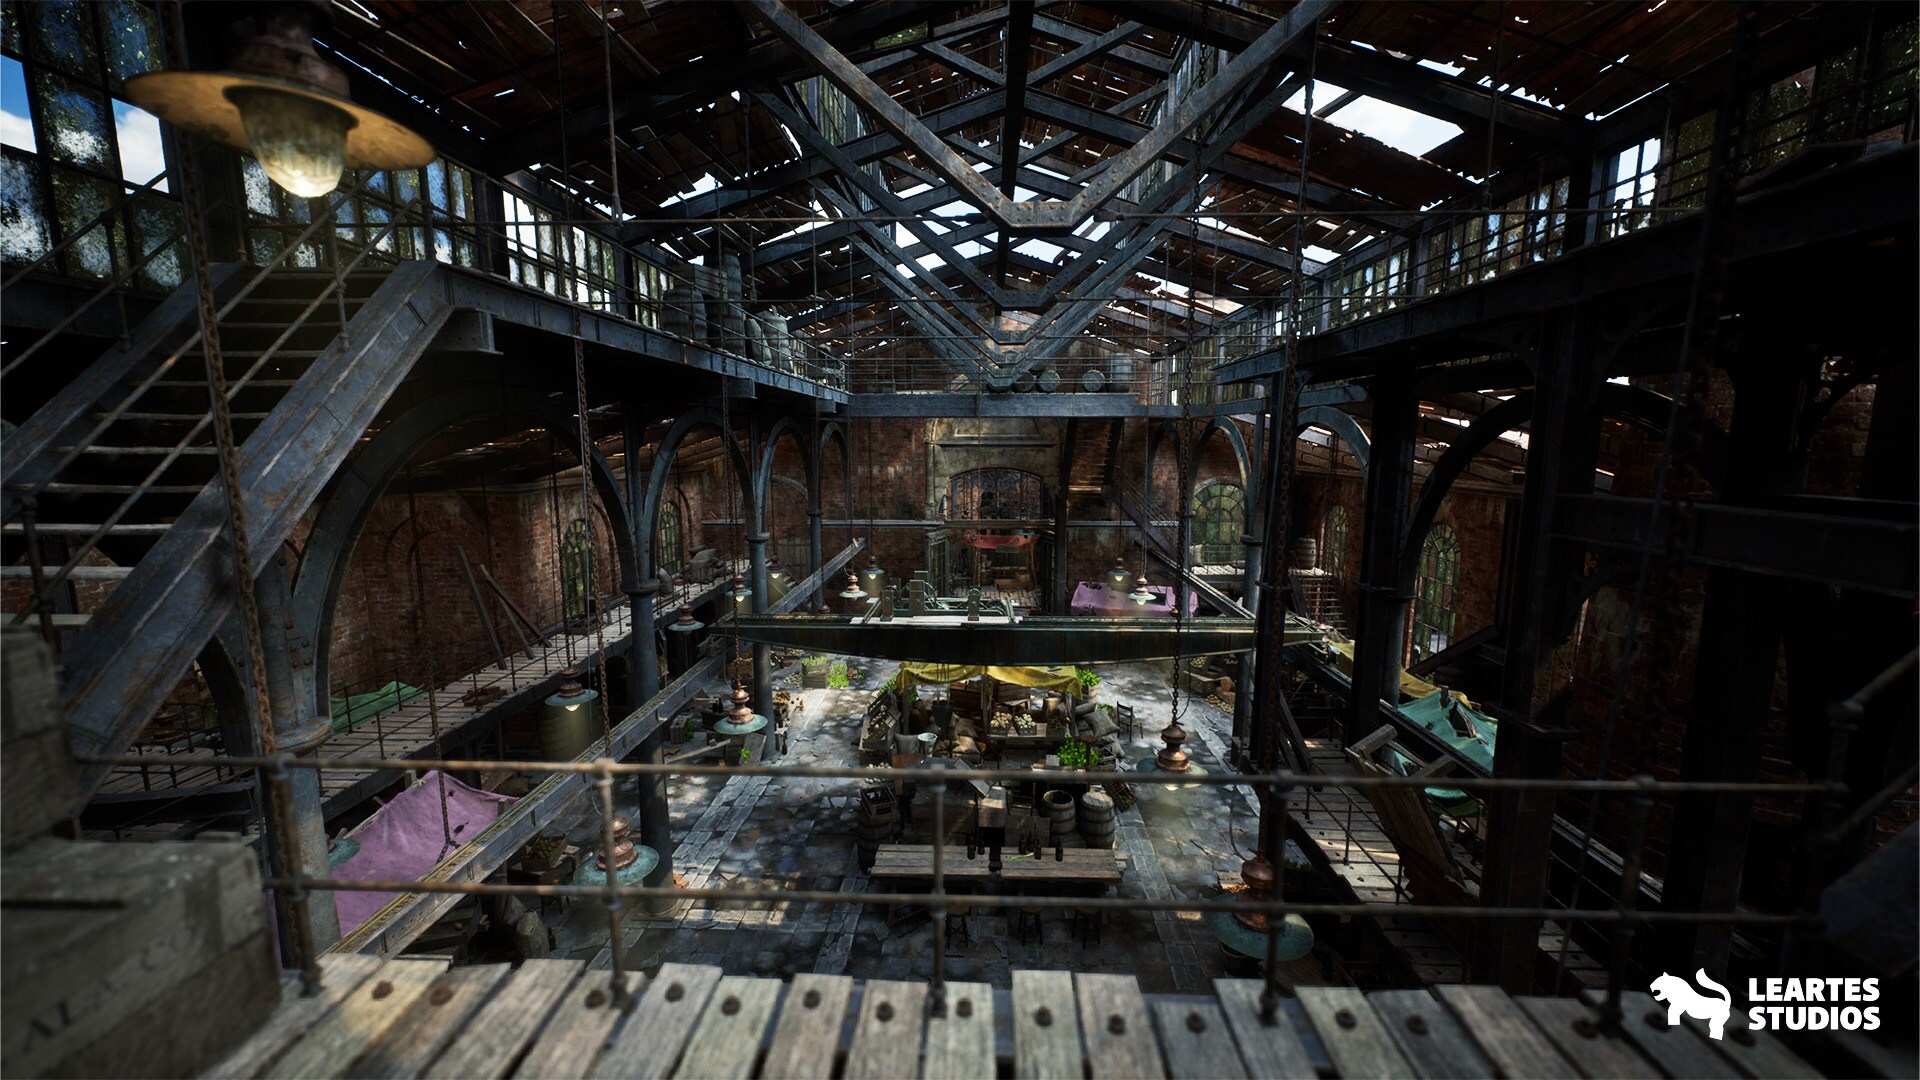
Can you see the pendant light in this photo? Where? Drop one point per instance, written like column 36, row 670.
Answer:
column 684, row 622
column 741, row 719
column 779, row 579
column 285, row 104
column 853, row 591
column 873, row 580
column 630, row 862
column 571, row 695
column 1118, row 578
column 741, row 596
column 1141, row 594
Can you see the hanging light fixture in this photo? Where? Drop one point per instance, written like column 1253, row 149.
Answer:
column 779, row 579
column 741, row 719
column 741, row 596
column 1118, row 578
column 873, row 580
column 684, row 622
column 853, row 591
column 285, row 104
column 571, row 694
column 1141, row 594
column 630, row 862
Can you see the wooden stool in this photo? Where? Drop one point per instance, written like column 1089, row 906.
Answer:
column 1088, row 921
column 957, row 922
column 1028, row 918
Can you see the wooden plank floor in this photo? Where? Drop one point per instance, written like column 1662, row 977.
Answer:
column 1342, row 823
column 557, row 1018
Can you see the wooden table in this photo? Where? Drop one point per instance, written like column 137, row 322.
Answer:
column 1079, row 866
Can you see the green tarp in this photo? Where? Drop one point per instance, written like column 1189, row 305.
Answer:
column 1450, row 720
column 355, row 709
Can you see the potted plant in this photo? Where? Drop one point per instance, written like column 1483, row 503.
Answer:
column 814, row 672
column 1089, row 681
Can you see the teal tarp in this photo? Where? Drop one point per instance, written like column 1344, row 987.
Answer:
column 355, row 709
column 1466, row 729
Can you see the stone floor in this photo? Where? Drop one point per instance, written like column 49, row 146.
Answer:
column 796, row 833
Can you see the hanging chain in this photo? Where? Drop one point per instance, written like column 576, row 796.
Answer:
column 586, row 514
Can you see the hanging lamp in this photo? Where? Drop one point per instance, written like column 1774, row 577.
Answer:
column 873, row 580
column 853, row 591
column 1118, row 578
column 741, row 596
column 286, row 105
column 684, row 622
column 741, row 719
column 1141, row 594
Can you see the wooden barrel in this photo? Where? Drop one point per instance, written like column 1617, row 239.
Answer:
column 684, row 312
column 1060, row 813
column 1305, row 553
column 1096, row 819
column 1093, row 381
column 1047, row 381
column 1023, row 383
column 1120, row 370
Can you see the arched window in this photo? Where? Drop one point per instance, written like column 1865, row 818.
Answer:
column 667, row 554
column 1219, row 519
column 574, row 584
column 1434, row 592
column 1333, row 543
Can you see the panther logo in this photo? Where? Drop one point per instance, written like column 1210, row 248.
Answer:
column 1681, row 999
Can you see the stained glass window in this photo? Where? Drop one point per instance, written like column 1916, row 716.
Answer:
column 1219, row 518
column 1435, row 592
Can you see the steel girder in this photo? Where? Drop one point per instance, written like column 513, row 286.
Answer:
column 1036, row 640
column 1030, row 216
column 1868, row 553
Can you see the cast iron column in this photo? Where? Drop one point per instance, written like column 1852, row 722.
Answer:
column 643, row 682
column 815, row 547
column 1381, row 619
column 300, row 725
column 762, row 652
column 1562, row 447
column 1250, row 599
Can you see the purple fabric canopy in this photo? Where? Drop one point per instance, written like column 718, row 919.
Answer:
column 406, row 838
column 1094, row 598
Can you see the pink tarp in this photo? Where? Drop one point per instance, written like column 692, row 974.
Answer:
column 996, row 541
column 1094, row 598
column 405, row 838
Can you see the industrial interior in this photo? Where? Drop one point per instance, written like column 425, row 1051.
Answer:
column 884, row 538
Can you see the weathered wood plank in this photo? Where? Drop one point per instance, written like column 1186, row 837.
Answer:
column 1196, row 1041
column 649, row 1042
column 960, row 1037
column 1429, row 1035
column 1352, row 1032
column 339, row 1039
column 1575, row 1028
column 1046, row 1027
column 496, row 1036
column 886, row 1040
column 432, row 1023
column 339, row 976
column 1679, row 1051
column 727, row 1041
column 1268, row 1051
column 1118, row 1034
column 807, row 1035
column 1505, row 1034
column 578, row 1030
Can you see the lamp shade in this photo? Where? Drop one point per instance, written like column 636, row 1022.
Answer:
column 740, row 596
column 853, row 591
column 631, row 864
column 1141, row 594
column 1118, row 578
column 281, row 101
column 684, row 622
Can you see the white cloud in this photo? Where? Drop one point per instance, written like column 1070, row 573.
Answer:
column 142, row 156
column 17, row 130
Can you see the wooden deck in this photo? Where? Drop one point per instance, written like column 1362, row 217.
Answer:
column 555, row 1018
column 1343, row 825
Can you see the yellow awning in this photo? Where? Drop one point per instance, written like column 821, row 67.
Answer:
column 1412, row 687
column 1061, row 679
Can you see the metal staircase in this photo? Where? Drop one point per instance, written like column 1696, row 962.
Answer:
column 1096, row 447
column 1316, row 595
column 121, row 464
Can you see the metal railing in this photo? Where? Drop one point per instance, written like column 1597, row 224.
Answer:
column 1623, row 917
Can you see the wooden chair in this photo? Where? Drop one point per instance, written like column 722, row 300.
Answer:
column 1432, row 874
column 1129, row 724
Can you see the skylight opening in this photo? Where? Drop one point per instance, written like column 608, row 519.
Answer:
column 1323, row 92
column 702, row 186
column 1403, row 129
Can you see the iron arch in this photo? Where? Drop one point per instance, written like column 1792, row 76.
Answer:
column 343, row 511
column 1343, row 426
column 663, row 458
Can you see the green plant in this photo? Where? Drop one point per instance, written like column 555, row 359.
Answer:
column 837, row 676
column 1075, row 754
column 746, row 755
column 1088, row 680
column 814, row 661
